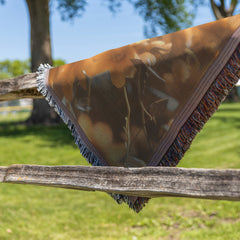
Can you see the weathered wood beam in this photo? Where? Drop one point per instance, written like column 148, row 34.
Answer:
column 147, row 181
column 24, row 86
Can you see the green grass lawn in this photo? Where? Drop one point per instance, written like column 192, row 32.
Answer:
column 34, row 212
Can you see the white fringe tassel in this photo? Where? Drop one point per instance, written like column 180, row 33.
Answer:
column 89, row 155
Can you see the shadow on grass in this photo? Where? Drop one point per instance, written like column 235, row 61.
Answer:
column 60, row 135
column 52, row 135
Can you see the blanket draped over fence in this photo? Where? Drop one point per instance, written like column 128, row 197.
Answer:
column 143, row 104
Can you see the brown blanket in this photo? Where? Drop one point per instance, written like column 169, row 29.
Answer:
column 142, row 104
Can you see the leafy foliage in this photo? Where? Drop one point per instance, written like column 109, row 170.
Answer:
column 165, row 15
column 9, row 69
column 13, row 68
column 159, row 15
column 114, row 5
column 71, row 8
column 58, row 62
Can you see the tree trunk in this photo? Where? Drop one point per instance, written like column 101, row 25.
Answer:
column 220, row 10
column 40, row 53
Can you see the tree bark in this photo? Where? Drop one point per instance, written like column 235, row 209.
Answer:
column 40, row 53
column 220, row 11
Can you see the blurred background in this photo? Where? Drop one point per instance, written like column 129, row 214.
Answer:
column 64, row 31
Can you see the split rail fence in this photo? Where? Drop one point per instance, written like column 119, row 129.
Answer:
column 146, row 182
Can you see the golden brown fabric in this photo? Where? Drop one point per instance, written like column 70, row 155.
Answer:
column 129, row 104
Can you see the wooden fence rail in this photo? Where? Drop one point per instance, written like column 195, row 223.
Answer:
column 146, row 181
column 24, row 86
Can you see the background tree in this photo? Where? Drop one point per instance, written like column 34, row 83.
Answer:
column 41, row 52
column 168, row 16
column 221, row 10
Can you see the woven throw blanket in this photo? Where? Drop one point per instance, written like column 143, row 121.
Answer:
column 142, row 104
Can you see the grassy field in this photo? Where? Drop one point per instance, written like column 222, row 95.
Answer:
column 40, row 213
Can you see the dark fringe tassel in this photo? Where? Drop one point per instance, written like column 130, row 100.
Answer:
column 137, row 205
column 217, row 92
column 89, row 155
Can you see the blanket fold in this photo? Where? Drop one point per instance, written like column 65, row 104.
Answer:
column 142, row 104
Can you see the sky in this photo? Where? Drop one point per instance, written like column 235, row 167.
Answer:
column 96, row 31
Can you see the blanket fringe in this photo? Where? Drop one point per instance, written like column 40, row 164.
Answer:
column 89, row 155
column 42, row 88
column 210, row 102
column 217, row 92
